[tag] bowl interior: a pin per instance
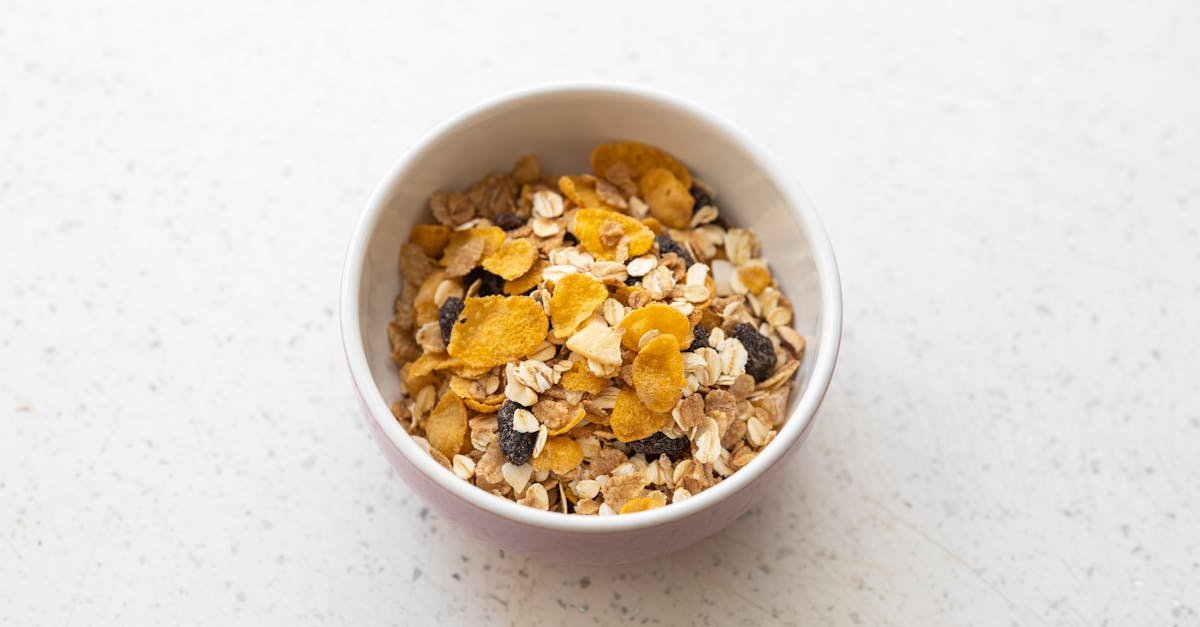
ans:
(561, 127)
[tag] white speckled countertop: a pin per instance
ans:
(1013, 433)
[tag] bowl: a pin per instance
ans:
(561, 124)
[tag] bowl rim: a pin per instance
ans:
(788, 437)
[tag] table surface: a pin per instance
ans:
(1012, 434)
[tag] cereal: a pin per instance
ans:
(591, 343)
(512, 259)
(669, 200)
(495, 330)
(575, 297)
(632, 420)
(446, 425)
(559, 455)
(596, 228)
(659, 317)
(637, 158)
(658, 373)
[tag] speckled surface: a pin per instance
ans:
(1011, 437)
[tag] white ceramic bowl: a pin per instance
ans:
(561, 124)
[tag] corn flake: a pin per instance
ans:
(495, 330)
(527, 281)
(652, 500)
(580, 379)
(425, 308)
(590, 225)
(659, 317)
(432, 238)
(669, 199)
(581, 190)
(491, 236)
(575, 297)
(638, 158)
(754, 275)
(631, 420)
(658, 373)
(512, 259)
(561, 454)
(446, 425)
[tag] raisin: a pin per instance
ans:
(491, 285)
(508, 221)
(760, 362)
(447, 315)
(701, 197)
(660, 444)
(668, 245)
(632, 280)
(569, 239)
(517, 446)
(700, 335)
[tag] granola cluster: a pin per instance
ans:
(592, 344)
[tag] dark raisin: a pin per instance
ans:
(660, 444)
(668, 245)
(569, 239)
(508, 221)
(760, 362)
(491, 285)
(517, 446)
(632, 280)
(701, 197)
(447, 315)
(701, 338)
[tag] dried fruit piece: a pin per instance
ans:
(668, 198)
(580, 379)
(527, 281)
(561, 454)
(631, 420)
(491, 236)
(512, 259)
(668, 245)
(495, 330)
(760, 359)
(754, 276)
(660, 444)
(448, 315)
(638, 158)
(576, 297)
(699, 338)
(660, 317)
(517, 446)
(489, 284)
(590, 223)
(509, 221)
(700, 196)
(658, 373)
(653, 500)
(431, 238)
(446, 425)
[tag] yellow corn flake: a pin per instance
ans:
(589, 224)
(755, 275)
(512, 259)
(660, 317)
(652, 500)
(431, 238)
(561, 454)
(669, 199)
(483, 407)
(424, 307)
(631, 420)
(581, 190)
(576, 418)
(492, 237)
(527, 281)
(658, 373)
(446, 425)
(416, 375)
(425, 364)
(575, 297)
(654, 225)
(638, 158)
(580, 379)
(495, 330)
